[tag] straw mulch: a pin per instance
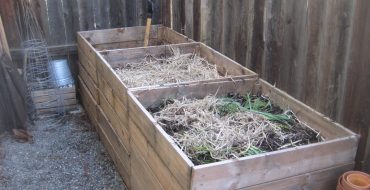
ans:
(214, 129)
(174, 69)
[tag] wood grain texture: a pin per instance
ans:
(176, 161)
(120, 158)
(322, 179)
(338, 149)
(315, 50)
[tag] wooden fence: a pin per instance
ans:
(316, 50)
(61, 19)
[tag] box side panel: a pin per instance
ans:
(172, 37)
(118, 154)
(107, 36)
(179, 165)
(85, 47)
(142, 177)
(88, 65)
(90, 84)
(317, 180)
(234, 174)
(153, 97)
(225, 65)
(88, 102)
(110, 77)
(156, 165)
(327, 127)
(119, 128)
(127, 44)
(117, 58)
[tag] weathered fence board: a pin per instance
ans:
(60, 20)
(313, 49)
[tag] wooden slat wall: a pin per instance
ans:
(315, 50)
(61, 19)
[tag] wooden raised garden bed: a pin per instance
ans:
(157, 162)
(112, 91)
(91, 42)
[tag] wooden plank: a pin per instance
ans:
(101, 13)
(140, 12)
(88, 66)
(55, 91)
(86, 15)
(71, 20)
(46, 98)
(114, 140)
(322, 179)
(176, 15)
(9, 19)
(227, 46)
(176, 161)
(197, 20)
(55, 110)
(257, 45)
(142, 176)
(118, 13)
(57, 102)
(234, 174)
(225, 64)
(355, 110)
(118, 156)
(112, 97)
(327, 127)
(333, 54)
(131, 13)
(157, 12)
(273, 32)
(88, 103)
(91, 85)
(57, 28)
(3, 41)
(153, 97)
(171, 37)
(118, 34)
(315, 11)
(156, 165)
(296, 49)
(116, 58)
(128, 44)
(242, 31)
(120, 129)
(85, 47)
(107, 73)
(189, 18)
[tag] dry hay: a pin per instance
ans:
(214, 129)
(175, 69)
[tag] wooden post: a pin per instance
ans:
(147, 31)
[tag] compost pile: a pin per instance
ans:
(174, 69)
(214, 129)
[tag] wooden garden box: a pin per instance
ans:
(112, 92)
(91, 42)
(157, 162)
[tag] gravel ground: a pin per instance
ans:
(64, 154)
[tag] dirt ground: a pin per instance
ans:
(64, 154)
